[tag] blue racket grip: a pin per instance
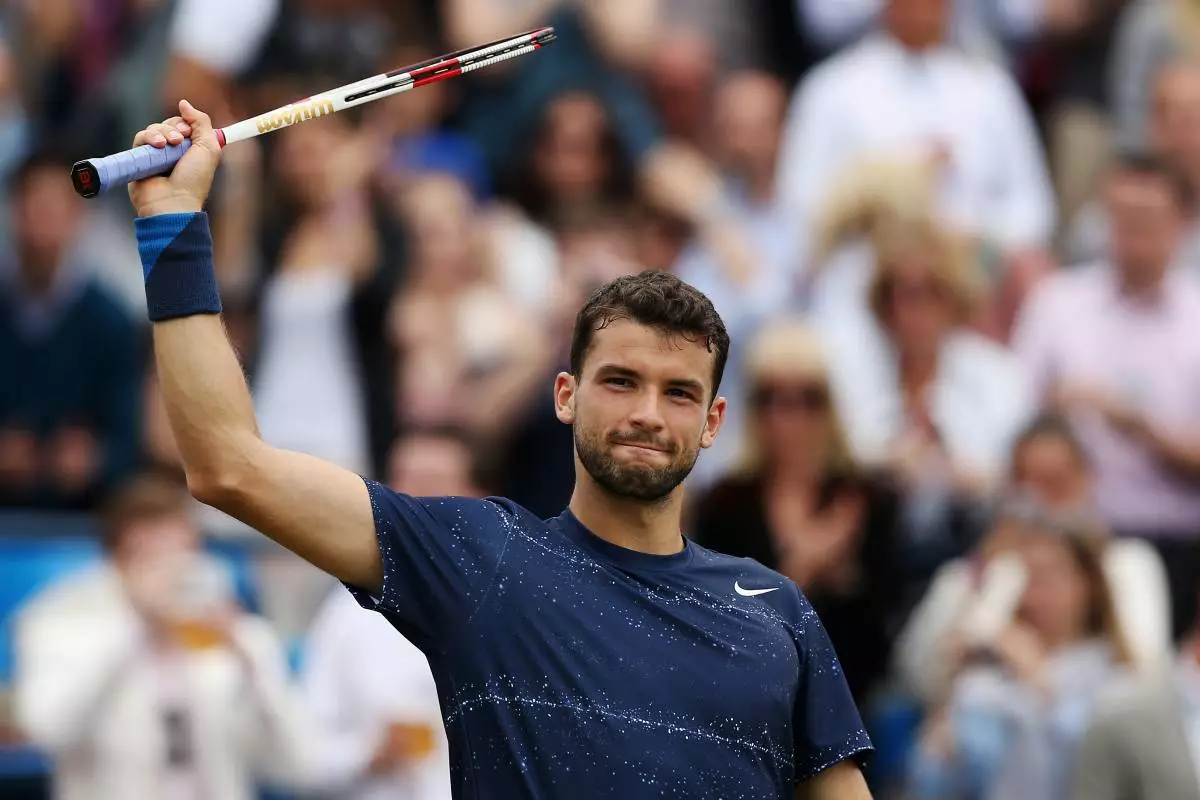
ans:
(94, 176)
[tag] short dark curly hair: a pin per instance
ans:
(658, 300)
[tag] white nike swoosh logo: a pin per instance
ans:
(737, 587)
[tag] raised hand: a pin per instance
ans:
(186, 188)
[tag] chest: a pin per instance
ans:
(631, 648)
(46, 377)
(923, 104)
(1149, 359)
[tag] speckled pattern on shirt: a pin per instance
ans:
(569, 667)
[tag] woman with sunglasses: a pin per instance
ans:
(798, 504)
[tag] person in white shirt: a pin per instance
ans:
(903, 91)
(142, 679)
(370, 689)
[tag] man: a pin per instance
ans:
(595, 654)
(903, 92)
(1175, 136)
(70, 395)
(1144, 743)
(1116, 344)
(143, 680)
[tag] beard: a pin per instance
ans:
(635, 481)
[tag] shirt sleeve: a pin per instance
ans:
(441, 556)
(827, 725)
(813, 146)
(1027, 213)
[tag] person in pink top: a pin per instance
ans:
(1116, 345)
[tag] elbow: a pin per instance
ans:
(219, 488)
(222, 479)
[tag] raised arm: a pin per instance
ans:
(315, 509)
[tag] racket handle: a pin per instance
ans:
(94, 176)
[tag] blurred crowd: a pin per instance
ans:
(956, 245)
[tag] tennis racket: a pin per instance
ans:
(95, 176)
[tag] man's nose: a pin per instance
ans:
(647, 413)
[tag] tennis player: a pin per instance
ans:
(597, 654)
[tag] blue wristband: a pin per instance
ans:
(177, 265)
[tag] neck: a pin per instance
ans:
(37, 271)
(918, 368)
(653, 528)
(759, 182)
(915, 45)
(1141, 282)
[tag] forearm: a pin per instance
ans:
(1180, 454)
(200, 379)
(206, 397)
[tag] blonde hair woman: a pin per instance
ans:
(924, 394)
(798, 503)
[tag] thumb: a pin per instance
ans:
(201, 123)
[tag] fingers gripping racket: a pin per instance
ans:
(95, 176)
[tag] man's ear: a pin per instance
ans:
(564, 397)
(716, 415)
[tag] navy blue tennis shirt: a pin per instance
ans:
(570, 667)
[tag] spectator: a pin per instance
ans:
(1049, 479)
(70, 401)
(747, 121)
(923, 396)
(459, 336)
(997, 174)
(1173, 137)
(799, 504)
(573, 158)
(1021, 697)
(370, 688)
(935, 98)
(1115, 345)
(306, 360)
(682, 79)
(1150, 34)
(143, 679)
(1068, 59)
(1125, 755)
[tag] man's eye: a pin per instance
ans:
(618, 382)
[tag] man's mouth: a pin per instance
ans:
(647, 446)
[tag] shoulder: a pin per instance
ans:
(1078, 287)
(983, 71)
(94, 589)
(827, 80)
(1130, 698)
(387, 503)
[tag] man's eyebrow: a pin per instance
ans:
(613, 369)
